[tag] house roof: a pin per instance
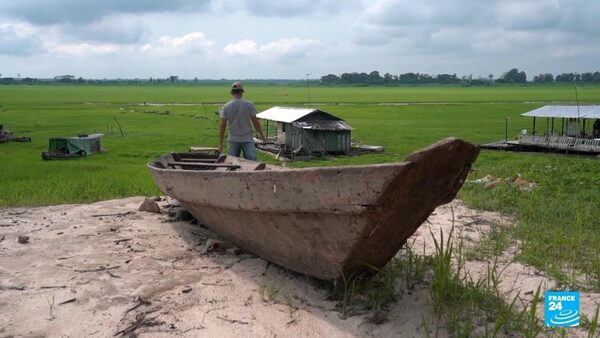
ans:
(584, 112)
(323, 125)
(289, 114)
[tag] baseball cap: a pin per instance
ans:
(237, 86)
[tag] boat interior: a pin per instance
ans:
(209, 161)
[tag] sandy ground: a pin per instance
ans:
(107, 269)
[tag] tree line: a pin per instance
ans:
(511, 76)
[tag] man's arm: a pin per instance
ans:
(258, 127)
(222, 128)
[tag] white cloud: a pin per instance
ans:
(84, 49)
(19, 39)
(289, 38)
(521, 15)
(290, 47)
(77, 11)
(118, 29)
(475, 28)
(287, 8)
(286, 48)
(242, 47)
(190, 43)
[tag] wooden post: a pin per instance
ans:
(552, 131)
(534, 125)
(506, 130)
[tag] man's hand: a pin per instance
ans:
(258, 128)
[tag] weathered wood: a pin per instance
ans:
(221, 159)
(115, 214)
(203, 149)
(327, 222)
(102, 268)
(198, 160)
(208, 165)
(68, 301)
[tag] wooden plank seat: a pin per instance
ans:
(174, 164)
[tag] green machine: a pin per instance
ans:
(73, 147)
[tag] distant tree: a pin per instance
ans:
(446, 78)
(173, 78)
(7, 80)
(354, 78)
(195, 80)
(426, 78)
(362, 78)
(565, 77)
(374, 77)
(409, 78)
(466, 80)
(348, 77)
(543, 78)
(330, 78)
(388, 78)
(514, 76)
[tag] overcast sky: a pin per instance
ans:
(287, 39)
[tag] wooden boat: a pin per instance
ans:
(6, 136)
(327, 222)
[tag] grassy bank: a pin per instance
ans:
(558, 222)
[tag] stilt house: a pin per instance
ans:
(307, 130)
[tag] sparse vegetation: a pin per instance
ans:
(399, 276)
(268, 291)
(557, 225)
(50, 301)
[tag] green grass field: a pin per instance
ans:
(558, 223)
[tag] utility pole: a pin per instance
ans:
(506, 130)
(308, 88)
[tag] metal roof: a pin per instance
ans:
(584, 112)
(323, 125)
(288, 114)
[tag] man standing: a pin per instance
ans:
(596, 129)
(239, 113)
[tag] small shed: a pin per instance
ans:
(72, 147)
(309, 130)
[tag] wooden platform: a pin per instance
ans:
(555, 144)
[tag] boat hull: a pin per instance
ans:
(329, 222)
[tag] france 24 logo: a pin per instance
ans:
(561, 308)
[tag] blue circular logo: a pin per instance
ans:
(566, 318)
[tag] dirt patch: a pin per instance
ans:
(106, 268)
